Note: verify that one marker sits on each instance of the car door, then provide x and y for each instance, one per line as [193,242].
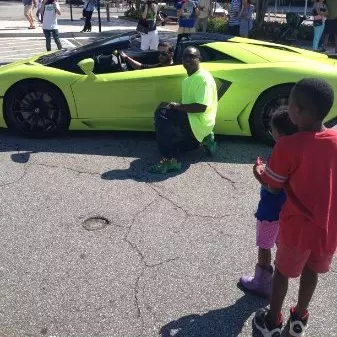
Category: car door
[126,100]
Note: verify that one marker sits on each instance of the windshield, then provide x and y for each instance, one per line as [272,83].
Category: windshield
[46,59]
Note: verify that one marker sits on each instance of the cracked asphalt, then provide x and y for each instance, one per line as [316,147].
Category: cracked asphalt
[166,264]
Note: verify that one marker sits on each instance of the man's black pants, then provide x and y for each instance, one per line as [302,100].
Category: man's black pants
[173,132]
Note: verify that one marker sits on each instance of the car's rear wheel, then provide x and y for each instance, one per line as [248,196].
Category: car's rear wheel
[35,108]
[263,110]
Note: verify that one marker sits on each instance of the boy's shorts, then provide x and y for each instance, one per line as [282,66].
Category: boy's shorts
[266,233]
[290,261]
[28,9]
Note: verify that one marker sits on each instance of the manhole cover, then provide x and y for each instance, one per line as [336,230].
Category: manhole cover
[95,223]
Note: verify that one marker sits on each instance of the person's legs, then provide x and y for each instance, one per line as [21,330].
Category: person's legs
[173,135]
[320,42]
[32,18]
[307,288]
[37,14]
[170,128]
[154,40]
[27,13]
[326,40]
[317,36]
[279,292]
[234,30]
[243,31]
[261,282]
[89,21]
[47,34]
[56,38]
[86,22]
[289,263]
[197,24]
[204,24]
[335,37]
[326,33]
[144,41]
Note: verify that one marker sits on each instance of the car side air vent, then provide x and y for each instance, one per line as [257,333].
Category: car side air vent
[29,63]
[224,86]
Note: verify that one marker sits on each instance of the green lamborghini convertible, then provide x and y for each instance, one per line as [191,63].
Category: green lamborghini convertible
[74,89]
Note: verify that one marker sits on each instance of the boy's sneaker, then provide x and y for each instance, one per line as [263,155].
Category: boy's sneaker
[165,166]
[298,325]
[209,144]
[260,321]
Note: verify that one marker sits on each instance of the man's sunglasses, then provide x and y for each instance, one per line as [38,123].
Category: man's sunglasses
[163,53]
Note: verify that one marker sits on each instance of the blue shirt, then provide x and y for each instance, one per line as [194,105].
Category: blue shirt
[233,12]
[187,20]
[270,205]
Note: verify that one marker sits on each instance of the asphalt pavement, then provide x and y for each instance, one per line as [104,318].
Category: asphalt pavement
[92,245]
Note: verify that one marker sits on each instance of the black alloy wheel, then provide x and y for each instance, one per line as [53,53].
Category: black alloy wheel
[263,110]
[36,109]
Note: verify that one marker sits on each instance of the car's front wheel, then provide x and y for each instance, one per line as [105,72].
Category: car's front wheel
[35,108]
[263,110]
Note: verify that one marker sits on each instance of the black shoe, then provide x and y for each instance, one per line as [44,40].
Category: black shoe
[260,321]
[298,325]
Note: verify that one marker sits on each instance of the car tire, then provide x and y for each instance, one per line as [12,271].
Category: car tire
[265,106]
[35,108]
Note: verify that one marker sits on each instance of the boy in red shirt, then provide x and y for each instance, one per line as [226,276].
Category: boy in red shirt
[305,165]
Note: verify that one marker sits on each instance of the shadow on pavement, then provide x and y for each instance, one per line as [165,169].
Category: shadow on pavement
[141,147]
[226,322]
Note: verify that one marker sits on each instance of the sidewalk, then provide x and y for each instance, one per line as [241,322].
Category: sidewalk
[18,27]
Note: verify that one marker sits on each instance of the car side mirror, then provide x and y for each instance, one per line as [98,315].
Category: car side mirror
[87,65]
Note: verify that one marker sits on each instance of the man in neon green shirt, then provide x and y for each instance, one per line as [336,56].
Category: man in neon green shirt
[182,127]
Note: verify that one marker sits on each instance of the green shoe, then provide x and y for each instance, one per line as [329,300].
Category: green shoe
[209,144]
[165,166]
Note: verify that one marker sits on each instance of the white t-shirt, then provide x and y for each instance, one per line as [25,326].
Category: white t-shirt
[49,16]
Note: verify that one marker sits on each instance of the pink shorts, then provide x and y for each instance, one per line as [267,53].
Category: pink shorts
[291,261]
[266,233]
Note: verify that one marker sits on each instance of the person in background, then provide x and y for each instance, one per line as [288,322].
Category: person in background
[38,13]
[50,10]
[331,23]
[28,11]
[182,127]
[165,57]
[319,13]
[187,12]
[233,17]
[88,9]
[205,11]
[150,40]
[246,18]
